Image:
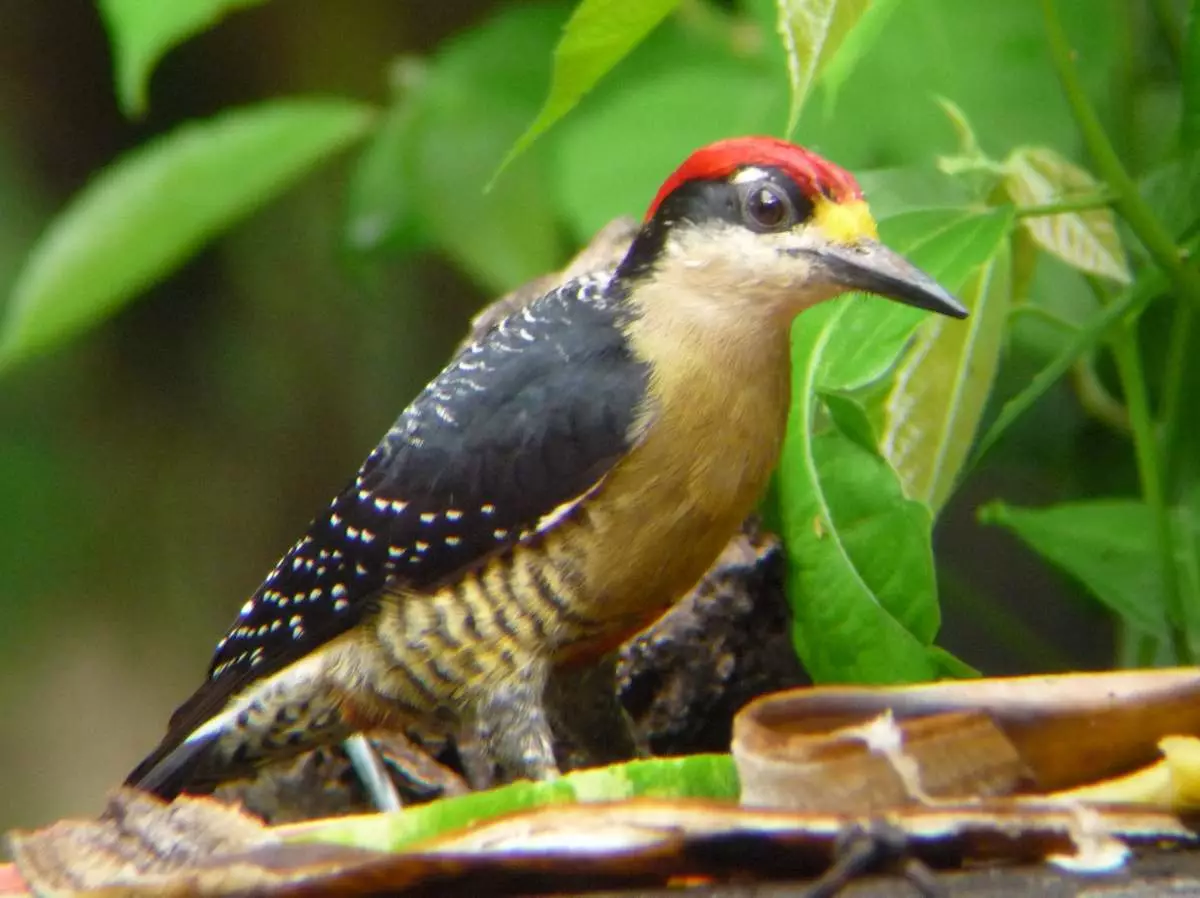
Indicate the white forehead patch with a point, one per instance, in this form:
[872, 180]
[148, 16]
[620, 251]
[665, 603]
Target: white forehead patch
[749, 174]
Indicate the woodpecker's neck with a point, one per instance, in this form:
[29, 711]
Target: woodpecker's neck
[720, 357]
[707, 439]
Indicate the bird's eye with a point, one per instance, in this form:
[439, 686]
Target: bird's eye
[765, 207]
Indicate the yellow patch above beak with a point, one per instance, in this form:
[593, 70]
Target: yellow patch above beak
[845, 223]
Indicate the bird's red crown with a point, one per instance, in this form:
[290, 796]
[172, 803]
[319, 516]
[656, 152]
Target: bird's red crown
[814, 175]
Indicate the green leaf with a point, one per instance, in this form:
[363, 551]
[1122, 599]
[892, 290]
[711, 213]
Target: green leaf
[968, 143]
[942, 385]
[1186, 538]
[672, 112]
[599, 35]
[1037, 176]
[142, 32]
[1105, 544]
[949, 244]
[695, 776]
[154, 207]
[851, 418]
[853, 538]
[381, 208]
[477, 94]
[857, 43]
[949, 666]
[1171, 191]
[1189, 121]
[812, 31]
[969, 159]
[860, 557]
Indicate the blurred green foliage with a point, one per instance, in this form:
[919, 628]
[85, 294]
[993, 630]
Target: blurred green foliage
[1073, 382]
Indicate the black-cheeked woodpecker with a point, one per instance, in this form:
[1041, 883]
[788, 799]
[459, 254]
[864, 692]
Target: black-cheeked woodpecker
[564, 480]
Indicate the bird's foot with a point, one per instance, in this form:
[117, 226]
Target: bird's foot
[508, 729]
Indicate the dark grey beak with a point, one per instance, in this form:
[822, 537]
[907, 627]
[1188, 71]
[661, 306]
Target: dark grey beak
[871, 267]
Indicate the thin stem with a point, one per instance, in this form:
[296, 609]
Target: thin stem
[1086, 203]
[1028, 310]
[1186, 281]
[1133, 381]
[1135, 648]
[1125, 307]
[1170, 28]
[1149, 230]
[1095, 398]
[1124, 345]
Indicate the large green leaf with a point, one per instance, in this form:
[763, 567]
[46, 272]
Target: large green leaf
[860, 558]
[942, 385]
[1105, 544]
[599, 35]
[860, 563]
[152, 208]
[1037, 176]
[812, 31]
[142, 31]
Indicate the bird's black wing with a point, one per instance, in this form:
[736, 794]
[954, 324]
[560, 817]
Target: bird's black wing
[529, 417]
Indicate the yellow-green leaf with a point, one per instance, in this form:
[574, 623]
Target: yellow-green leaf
[1088, 241]
[812, 31]
[942, 385]
[970, 157]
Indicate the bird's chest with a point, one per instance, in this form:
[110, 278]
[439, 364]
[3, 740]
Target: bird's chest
[710, 444]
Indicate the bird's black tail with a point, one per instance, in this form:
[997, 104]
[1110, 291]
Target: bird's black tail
[172, 767]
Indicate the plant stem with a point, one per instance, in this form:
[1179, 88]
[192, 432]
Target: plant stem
[1075, 204]
[1147, 651]
[1133, 381]
[1027, 310]
[1095, 398]
[1127, 306]
[1149, 230]
[1186, 281]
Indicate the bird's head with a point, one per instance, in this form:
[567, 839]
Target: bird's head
[772, 228]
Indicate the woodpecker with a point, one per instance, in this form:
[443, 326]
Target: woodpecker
[568, 476]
